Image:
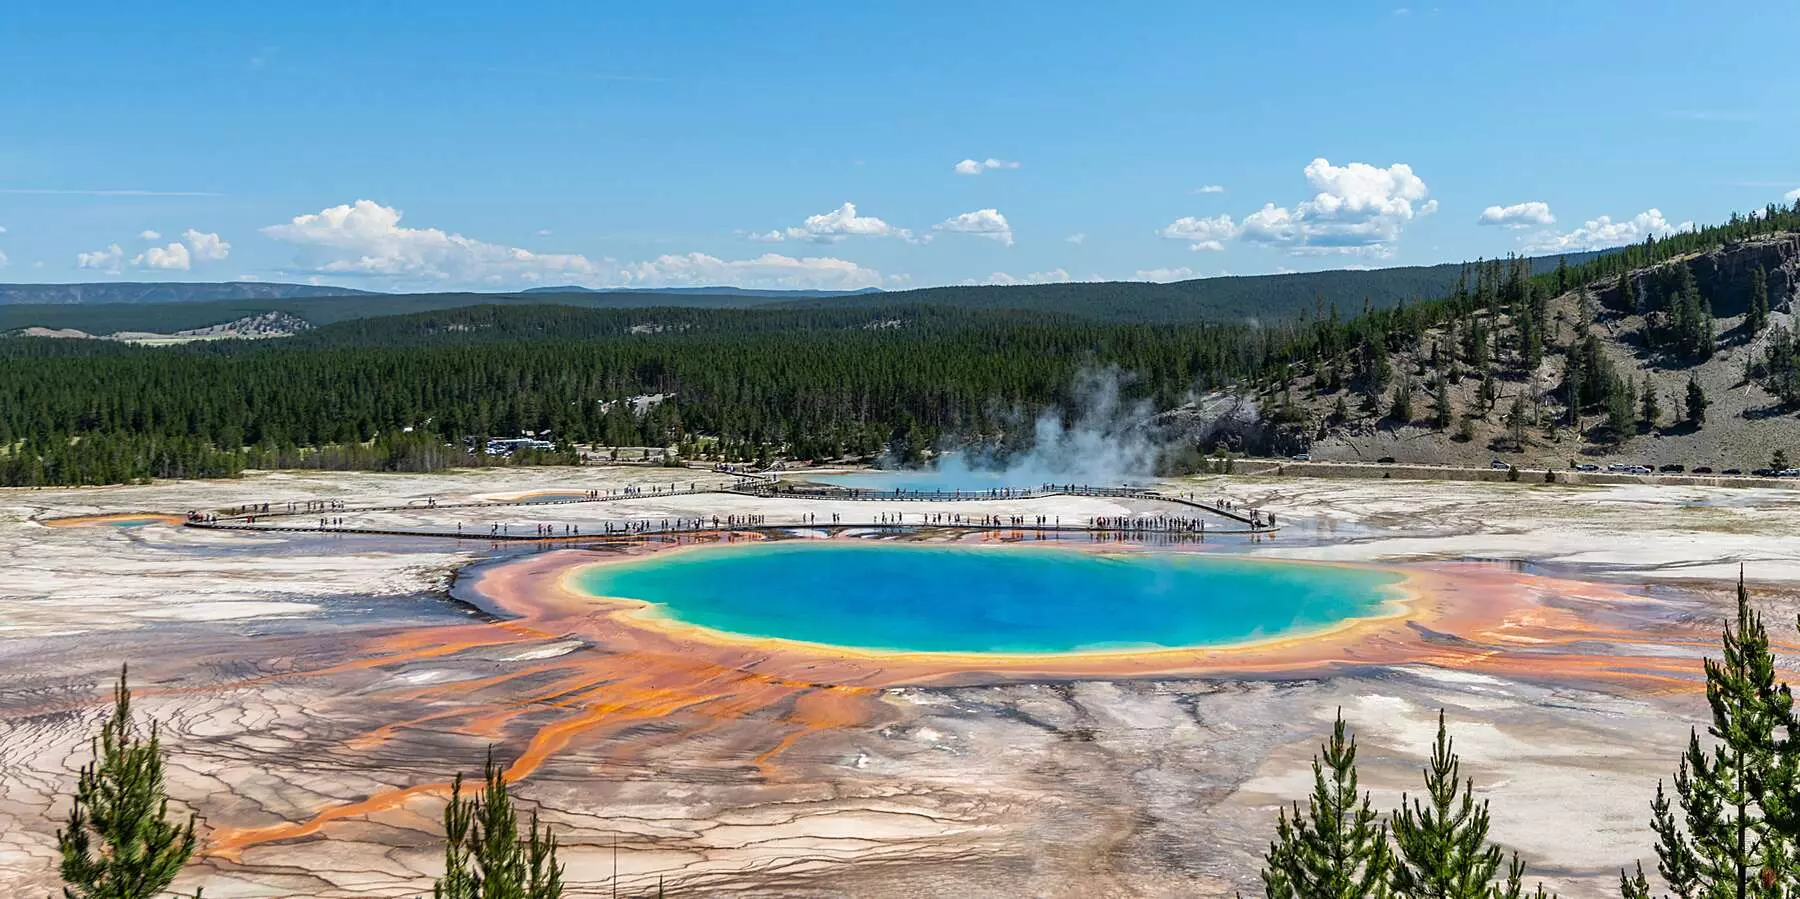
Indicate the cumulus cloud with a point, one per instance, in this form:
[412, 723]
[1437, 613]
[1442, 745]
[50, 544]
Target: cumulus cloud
[173, 257]
[206, 247]
[1792, 196]
[107, 260]
[1053, 276]
[1201, 233]
[977, 166]
[1518, 215]
[366, 238]
[1077, 238]
[1603, 232]
[1356, 208]
[834, 226]
[771, 270]
[148, 234]
[987, 223]
[1179, 273]
[1210, 189]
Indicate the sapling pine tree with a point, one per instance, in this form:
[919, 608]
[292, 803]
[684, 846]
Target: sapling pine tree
[119, 843]
[1336, 849]
[1728, 834]
[1440, 842]
[484, 856]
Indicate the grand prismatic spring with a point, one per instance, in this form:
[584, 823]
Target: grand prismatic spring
[919, 598]
[871, 694]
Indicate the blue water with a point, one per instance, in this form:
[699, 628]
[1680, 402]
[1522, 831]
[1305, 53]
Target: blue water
[991, 599]
[923, 479]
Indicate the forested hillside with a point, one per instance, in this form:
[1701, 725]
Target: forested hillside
[95, 309]
[1681, 352]
[159, 292]
[874, 375]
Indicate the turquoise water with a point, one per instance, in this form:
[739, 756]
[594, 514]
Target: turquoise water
[998, 599]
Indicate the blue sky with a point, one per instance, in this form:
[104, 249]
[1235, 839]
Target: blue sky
[494, 146]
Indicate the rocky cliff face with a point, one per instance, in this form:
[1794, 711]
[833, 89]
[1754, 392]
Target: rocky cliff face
[1724, 276]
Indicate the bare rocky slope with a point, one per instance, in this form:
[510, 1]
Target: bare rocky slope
[1745, 423]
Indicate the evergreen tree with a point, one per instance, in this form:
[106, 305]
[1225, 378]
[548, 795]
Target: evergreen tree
[1620, 408]
[1402, 409]
[1441, 845]
[484, 856]
[1757, 316]
[1722, 844]
[1336, 849]
[1696, 403]
[1652, 411]
[119, 843]
[1442, 412]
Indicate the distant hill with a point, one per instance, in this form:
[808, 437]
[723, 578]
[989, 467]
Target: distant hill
[161, 292]
[1233, 298]
[1267, 298]
[106, 318]
[706, 291]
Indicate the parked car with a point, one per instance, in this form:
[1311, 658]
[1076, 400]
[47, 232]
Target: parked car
[1586, 466]
[1763, 473]
[1619, 467]
[1500, 464]
[1386, 460]
[1301, 457]
[1788, 473]
[1641, 469]
[1674, 467]
[1737, 471]
[1703, 469]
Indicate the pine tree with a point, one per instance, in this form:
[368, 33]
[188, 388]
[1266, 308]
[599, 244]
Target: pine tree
[1336, 849]
[1722, 844]
[1696, 403]
[1757, 317]
[1442, 413]
[484, 857]
[1652, 410]
[119, 843]
[1440, 843]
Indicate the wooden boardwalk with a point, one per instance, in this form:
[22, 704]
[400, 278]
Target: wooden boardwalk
[252, 517]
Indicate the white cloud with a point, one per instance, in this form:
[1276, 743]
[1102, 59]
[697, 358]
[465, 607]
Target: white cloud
[148, 234]
[1518, 215]
[770, 270]
[107, 260]
[543, 232]
[987, 223]
[1053, 276]
[1210, 189]
[3, 260]
[1357, 208]
[206, 247]
[1603, 232]
[834, 226]
[1201, 233]
[2, 229]
[1163, 275]
[1077, 238]
[976, 167]
[1792, 196]
[366, 238]
[173, 257]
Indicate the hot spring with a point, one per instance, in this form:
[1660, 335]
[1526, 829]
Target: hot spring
[959, 599]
